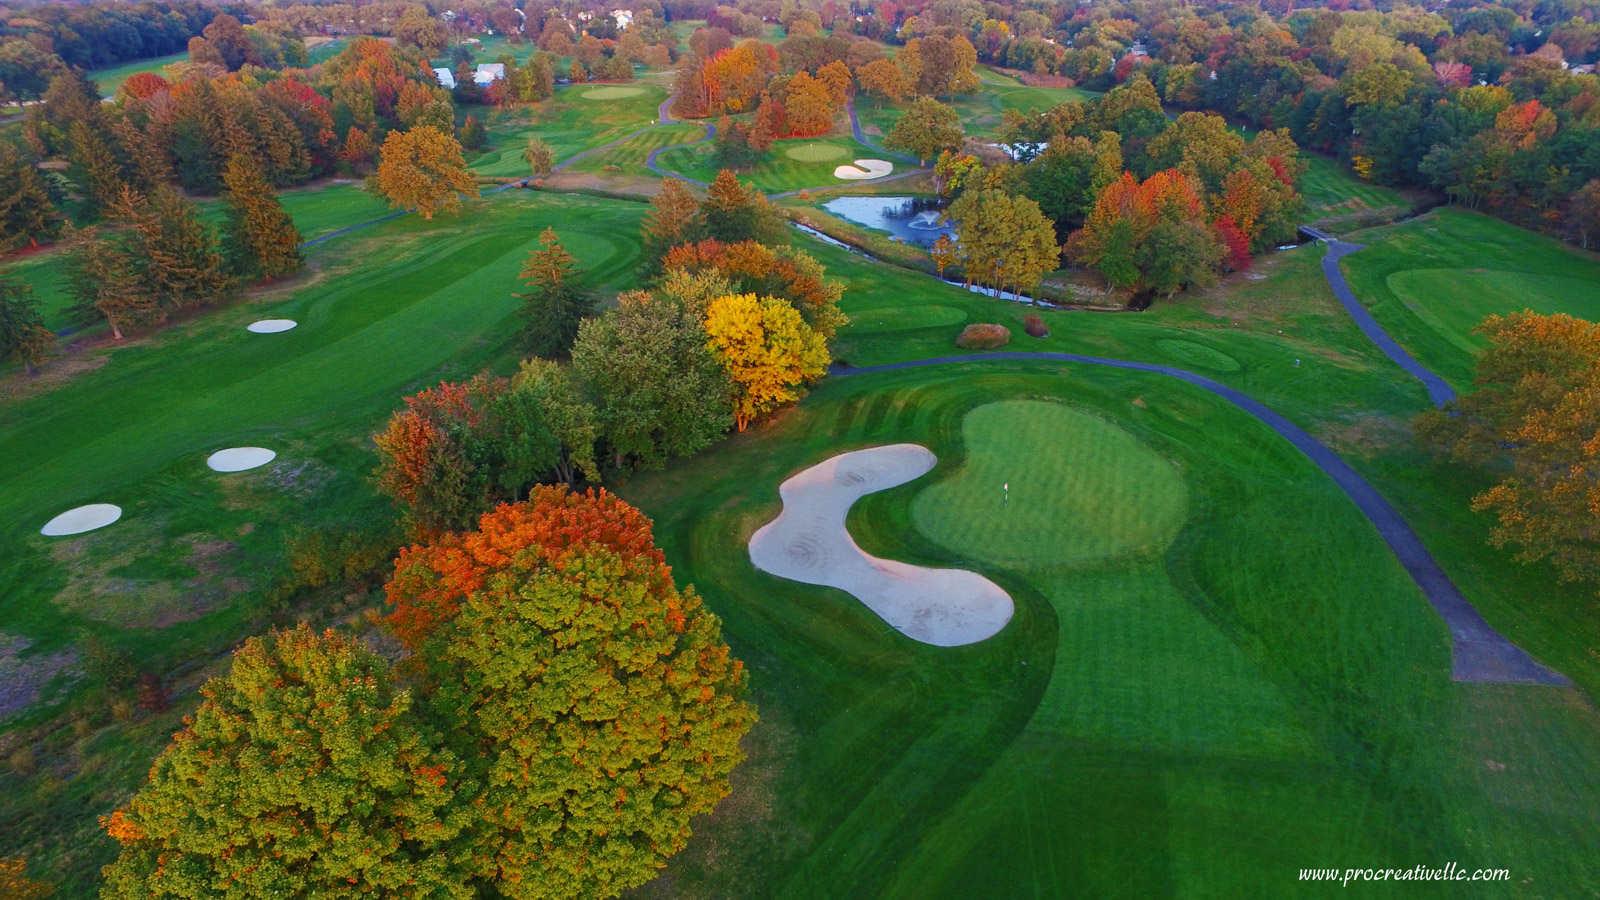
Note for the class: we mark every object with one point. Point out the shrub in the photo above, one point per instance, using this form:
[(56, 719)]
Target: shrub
[(1035, 326), (983, 336)]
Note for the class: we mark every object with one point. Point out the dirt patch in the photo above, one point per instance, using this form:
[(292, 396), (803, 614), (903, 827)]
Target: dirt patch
[(110, 577), (1365, 436), (24, 678)]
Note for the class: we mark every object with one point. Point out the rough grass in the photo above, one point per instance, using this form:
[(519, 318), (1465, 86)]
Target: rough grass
[(1198, 356), (1081, 489)]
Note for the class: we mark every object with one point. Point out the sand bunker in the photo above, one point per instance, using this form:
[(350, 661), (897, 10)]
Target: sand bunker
[(271, 326), (868, 168), (238, 459), (84, 518), (808, 543)]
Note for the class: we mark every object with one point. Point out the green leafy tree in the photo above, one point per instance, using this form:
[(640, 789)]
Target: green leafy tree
[(662, 393), (305, 772), (926, 128), (260, 238), (557, 301), (566, 412)]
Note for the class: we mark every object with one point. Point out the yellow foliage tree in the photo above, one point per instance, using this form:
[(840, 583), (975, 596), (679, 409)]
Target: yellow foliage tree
[(423, 167), (767, 349)]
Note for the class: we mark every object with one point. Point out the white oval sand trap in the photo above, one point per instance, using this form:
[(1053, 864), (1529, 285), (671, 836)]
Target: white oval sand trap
[(808, 543), (84, 518), (238, 459), (271, 326), (864, 169)]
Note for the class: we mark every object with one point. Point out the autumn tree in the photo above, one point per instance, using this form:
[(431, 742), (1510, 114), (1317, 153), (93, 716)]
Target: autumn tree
[(882, 79), (104, 282), (417, 28), (540, 158), (358, 151), (1149, 236), (673, 220), (1583, 211), (261, 240), (944, 253), (926, 128), (1005, 241), (1536, 403), (786, 273), (423, 168), (23, 337), (557, 300), (304, 772), (662, 392), (594, 701), (767, 350), (808, 106)]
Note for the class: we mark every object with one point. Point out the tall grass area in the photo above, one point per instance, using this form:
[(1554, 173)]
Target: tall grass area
[(383, 312), (1228, 679)]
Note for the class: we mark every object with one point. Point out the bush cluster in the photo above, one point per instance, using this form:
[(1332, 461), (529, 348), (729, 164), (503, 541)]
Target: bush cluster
[(983, 336), (1035, 326)]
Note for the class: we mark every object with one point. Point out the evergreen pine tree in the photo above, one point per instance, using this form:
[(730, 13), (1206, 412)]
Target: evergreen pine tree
[(260, 240), (23, 337), (25, 211), (94, 165), (552, 310)]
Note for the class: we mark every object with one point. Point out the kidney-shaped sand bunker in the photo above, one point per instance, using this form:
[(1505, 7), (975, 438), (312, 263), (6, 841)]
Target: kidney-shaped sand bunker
[(808, 543)]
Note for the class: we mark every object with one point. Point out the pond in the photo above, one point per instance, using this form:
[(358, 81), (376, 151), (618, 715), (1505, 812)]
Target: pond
[(914, 220)]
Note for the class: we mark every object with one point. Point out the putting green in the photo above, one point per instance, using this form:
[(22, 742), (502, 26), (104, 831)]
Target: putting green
[(1198, 355), (815, 152), (1082, 489), (613, 92), (1452, 302), (905, 318)]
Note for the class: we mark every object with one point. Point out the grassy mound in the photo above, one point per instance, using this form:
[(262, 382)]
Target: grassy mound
[(612, 92), (1198, 355), (1081, 489), (815, 152)]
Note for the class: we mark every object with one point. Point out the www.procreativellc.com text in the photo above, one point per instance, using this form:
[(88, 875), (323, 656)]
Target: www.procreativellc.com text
[(1447, 872)]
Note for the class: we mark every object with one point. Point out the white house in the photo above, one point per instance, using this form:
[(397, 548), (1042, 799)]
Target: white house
[(447, 79), (623, 18), (489, 73)]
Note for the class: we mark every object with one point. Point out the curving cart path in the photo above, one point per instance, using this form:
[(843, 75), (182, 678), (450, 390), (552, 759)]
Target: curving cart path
[(1439, 391), (1478, 652)]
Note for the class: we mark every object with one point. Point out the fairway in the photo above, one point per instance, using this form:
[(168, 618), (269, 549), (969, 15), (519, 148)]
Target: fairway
[(1081, 489), (781, 170), (1453, 302), (1197, 356)]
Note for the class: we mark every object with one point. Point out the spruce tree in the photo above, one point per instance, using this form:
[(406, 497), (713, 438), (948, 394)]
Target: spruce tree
[(25, 211), (23, 337), (260, 239), (552, 311), (673, 220)]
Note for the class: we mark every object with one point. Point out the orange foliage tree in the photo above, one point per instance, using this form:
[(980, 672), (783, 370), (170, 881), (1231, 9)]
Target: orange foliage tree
[(753, 268), (1537, 402), (423, 168), (595, 702)]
